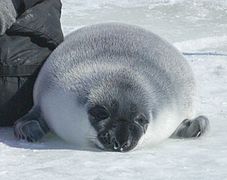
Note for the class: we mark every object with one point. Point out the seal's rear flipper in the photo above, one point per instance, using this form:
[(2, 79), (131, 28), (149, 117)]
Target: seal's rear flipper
[(31, 126), (191, 128)]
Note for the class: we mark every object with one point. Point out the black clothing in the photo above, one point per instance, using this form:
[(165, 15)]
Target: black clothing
[(23, 49)]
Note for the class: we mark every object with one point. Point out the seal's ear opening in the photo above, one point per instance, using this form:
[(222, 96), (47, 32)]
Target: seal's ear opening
[(98, 112)]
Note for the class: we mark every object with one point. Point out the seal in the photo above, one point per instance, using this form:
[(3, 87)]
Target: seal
[(112, 84)]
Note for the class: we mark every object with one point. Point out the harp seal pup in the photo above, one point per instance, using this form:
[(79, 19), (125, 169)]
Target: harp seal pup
[(112, 84)]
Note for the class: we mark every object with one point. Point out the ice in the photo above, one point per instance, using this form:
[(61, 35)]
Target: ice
[(192, 26), (203, 44)]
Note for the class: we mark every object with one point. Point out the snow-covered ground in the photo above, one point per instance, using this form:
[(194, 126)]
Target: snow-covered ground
[(192, 26)]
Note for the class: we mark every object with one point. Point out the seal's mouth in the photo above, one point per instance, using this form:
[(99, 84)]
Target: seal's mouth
[(112, 144)]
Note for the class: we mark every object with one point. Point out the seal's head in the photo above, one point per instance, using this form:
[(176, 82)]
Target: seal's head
[(119, 115)]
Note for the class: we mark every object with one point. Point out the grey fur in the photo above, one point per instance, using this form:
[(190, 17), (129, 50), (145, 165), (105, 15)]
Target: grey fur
[(137, 56), (8, 15), (103, 63)]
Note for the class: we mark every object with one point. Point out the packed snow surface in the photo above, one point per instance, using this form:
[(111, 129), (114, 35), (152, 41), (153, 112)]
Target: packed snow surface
[(192, 26)]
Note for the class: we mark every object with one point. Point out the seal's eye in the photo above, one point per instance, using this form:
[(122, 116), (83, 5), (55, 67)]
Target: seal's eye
[(99, 112), (142, 121)]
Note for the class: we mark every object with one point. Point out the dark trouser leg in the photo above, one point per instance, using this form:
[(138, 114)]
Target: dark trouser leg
[(14, 102)]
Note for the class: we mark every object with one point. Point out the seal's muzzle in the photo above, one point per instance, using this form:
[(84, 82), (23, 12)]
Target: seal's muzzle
[(122, 137)]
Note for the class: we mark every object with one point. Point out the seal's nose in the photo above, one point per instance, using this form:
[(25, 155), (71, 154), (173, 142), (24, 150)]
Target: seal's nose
[(112, 142), (121, 147)]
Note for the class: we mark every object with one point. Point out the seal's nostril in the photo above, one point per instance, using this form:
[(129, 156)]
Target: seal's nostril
[(124, 146), (116, 144)]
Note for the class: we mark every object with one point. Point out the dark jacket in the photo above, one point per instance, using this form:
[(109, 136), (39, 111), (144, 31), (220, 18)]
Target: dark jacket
[(23, 49)]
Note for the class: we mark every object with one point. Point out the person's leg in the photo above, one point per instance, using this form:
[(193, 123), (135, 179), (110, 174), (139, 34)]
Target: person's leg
[(15, 102)]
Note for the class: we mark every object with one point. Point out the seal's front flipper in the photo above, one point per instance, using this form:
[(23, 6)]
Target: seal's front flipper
[(192, 128), (31, 126)]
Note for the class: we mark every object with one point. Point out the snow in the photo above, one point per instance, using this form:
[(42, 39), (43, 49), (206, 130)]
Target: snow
[(192, 26)]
